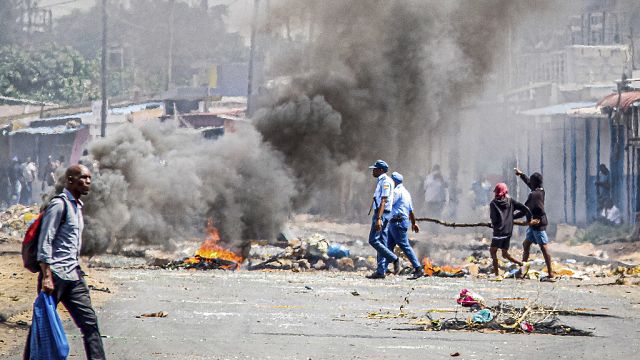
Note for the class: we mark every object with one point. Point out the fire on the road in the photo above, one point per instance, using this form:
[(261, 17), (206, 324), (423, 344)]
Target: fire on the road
[(212, 255)]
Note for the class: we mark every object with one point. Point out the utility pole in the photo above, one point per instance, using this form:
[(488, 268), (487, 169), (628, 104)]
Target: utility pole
[(103, 72), (172, 5), (252, 51)]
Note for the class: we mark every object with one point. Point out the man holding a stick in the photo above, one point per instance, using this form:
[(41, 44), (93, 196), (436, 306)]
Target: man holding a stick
[(536, 234), (503, 210)]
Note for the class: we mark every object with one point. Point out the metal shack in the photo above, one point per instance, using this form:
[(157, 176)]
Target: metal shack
[(64, 136), (621, 110)]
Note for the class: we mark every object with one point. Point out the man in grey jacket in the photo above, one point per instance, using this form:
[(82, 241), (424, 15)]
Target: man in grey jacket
[(58, 252)]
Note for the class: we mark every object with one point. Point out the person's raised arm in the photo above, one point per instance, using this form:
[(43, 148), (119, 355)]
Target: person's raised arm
[(524, 178)]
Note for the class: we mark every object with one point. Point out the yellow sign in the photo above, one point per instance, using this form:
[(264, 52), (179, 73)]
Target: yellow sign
[(213, 76)]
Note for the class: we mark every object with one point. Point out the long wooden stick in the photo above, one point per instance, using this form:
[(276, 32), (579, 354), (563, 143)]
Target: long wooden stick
[(455, 225)]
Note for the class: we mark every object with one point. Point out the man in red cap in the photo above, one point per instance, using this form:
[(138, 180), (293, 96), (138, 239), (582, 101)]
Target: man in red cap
[(503, 210)]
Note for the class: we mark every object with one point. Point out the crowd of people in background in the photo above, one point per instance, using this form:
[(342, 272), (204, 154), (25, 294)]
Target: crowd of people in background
[(440, 198), (22, 181)]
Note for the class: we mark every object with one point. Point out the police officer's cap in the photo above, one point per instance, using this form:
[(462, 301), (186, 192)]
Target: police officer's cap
[(397, 177), (380, 164)]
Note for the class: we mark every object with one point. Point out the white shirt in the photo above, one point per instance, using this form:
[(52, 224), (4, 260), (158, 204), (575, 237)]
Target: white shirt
[(612, 215), (30, 172), (434, 189), (402, 204)]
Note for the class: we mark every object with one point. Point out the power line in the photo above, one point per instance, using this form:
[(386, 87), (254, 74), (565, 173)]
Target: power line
[(58, 4)]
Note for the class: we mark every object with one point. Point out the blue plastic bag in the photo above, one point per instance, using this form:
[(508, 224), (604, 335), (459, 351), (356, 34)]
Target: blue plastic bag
[(48, 340), (482, 316), (338, 251)]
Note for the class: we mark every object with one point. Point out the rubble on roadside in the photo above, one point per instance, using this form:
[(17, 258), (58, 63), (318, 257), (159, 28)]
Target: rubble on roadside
[(314, 252), (15, 220), (474, 314)]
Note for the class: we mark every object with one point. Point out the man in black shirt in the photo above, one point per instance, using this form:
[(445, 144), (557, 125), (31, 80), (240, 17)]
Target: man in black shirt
[(536, 233)]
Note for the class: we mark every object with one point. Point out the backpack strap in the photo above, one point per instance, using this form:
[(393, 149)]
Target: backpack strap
[(63, 219)]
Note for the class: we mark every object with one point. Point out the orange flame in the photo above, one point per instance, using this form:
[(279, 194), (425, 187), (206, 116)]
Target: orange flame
[(211, 250), (430, 269)]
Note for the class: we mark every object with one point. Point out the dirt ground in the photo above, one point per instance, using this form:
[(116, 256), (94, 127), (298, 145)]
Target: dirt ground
[(17, 294)]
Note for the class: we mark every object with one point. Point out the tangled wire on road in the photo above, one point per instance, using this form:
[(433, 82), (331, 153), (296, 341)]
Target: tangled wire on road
[(510, 319)]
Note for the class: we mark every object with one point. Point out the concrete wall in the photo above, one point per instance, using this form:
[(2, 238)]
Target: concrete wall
[(596, 64)]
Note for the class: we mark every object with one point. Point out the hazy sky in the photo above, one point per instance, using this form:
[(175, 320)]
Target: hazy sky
[(239, 10)]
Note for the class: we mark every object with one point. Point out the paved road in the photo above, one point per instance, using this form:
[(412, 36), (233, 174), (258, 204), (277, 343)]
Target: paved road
[(257, 315)]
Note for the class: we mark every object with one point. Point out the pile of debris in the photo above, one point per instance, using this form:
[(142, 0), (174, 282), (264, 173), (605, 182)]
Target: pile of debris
[(314, 252), (626, 275), (506, 318), (15, 220), (502, 318), (481, 267)]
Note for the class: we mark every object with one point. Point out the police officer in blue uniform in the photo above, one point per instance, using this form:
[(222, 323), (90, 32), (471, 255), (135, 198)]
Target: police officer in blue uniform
[(401, 218), (378, 236)]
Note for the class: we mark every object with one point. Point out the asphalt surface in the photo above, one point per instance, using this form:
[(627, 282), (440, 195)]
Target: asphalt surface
[(283, 315)]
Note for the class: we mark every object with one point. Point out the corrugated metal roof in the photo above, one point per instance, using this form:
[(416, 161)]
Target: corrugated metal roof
[(47, 130), (626, 100), (590, 112), (133, 108), (560, 109)]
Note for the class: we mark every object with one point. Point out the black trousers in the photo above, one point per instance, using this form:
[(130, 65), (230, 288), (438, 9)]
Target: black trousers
[(74, 295)]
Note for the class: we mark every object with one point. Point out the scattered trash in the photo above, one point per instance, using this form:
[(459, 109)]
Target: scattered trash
[(628, 271), (355, 293), (387, 315), (468, 298), (91, 287), (318, 246), (526, 326), (17, 218), (308, 287), (510, 319), (563, 272), (338, 251), (513, 273), (159, 314), (570, 261), (454, 354), (346, 264), (482, 316)]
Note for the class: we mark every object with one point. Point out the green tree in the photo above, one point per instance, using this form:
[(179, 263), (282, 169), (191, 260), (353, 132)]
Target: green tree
[(141, 30), (51, 73)]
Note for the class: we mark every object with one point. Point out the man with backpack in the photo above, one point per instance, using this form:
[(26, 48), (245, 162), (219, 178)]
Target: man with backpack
[(58, 250)]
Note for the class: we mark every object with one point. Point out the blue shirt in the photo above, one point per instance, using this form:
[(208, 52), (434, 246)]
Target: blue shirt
[(384, 188), (60, 240), (402, 204)]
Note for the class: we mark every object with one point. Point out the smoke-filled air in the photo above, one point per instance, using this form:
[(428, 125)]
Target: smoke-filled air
[(159, 185), (379, 79)]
